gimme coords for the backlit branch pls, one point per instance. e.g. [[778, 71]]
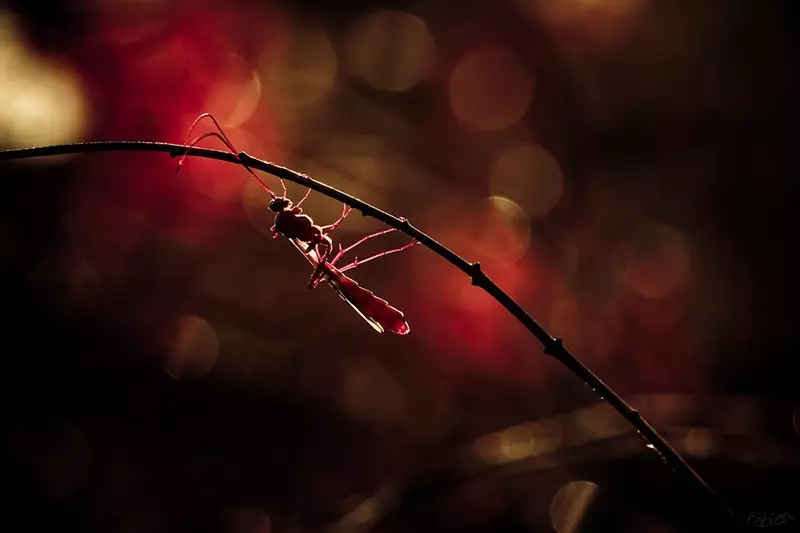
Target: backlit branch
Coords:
[[552, 346]]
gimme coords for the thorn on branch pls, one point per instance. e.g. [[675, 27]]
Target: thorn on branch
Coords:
[[476, 274], [555, 347]]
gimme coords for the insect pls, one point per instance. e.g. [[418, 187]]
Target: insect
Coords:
[[289, 218], [374, 310], [315, 244]]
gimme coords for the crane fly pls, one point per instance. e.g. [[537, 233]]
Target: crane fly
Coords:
[[311, 240], [374, 310]]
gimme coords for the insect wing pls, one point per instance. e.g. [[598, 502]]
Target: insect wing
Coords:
[[351, 302], [374, 309], [312, 258]]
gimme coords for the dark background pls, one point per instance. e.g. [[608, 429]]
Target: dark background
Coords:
[[667, 265]]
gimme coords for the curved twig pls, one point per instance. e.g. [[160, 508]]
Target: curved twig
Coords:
[[552, 346]]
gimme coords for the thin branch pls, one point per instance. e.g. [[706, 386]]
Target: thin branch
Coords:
[[552, 346]]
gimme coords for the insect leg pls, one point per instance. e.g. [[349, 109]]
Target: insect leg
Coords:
[[342, 252], [316, 276], [358, 262], [317, 246], [215, 134], [345, 211], [222, 137]]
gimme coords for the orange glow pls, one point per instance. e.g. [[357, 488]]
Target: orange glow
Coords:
[[529, 175], [301, 72], [494, 229], [507, 232], [390, 50], [43, 100], [519, 442], [700, 442], [457, 313], [235, 94], [600, 421], [490, 89], [567, 12], [570, 504]]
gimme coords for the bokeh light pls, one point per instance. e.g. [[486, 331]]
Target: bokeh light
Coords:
[[570, 12], [57, 455], [366, 512], [656, 261], [193, 349], [499, 230], [43, 100], [700, 442], [600, 421], [469, 124], [390, 50], [235, 94], [529, 175], [570, 504], [490, 88], [513, 444], [301, 71], [359, 164]]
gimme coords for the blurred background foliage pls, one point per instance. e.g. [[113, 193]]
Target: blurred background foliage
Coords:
[[620, 167]]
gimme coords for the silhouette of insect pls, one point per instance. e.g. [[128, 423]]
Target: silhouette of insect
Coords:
[[315, 244], [374, 310]]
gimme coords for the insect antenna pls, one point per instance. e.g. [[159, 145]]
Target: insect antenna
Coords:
[[303, 199], [220, 134], [215, 134]]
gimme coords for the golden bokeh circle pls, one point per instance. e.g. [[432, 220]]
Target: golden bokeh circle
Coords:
[[236, 93], [570, 504], [701, 442], [531, 176], [300, 73], [503, 230], [390, 50], [490, 88]]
